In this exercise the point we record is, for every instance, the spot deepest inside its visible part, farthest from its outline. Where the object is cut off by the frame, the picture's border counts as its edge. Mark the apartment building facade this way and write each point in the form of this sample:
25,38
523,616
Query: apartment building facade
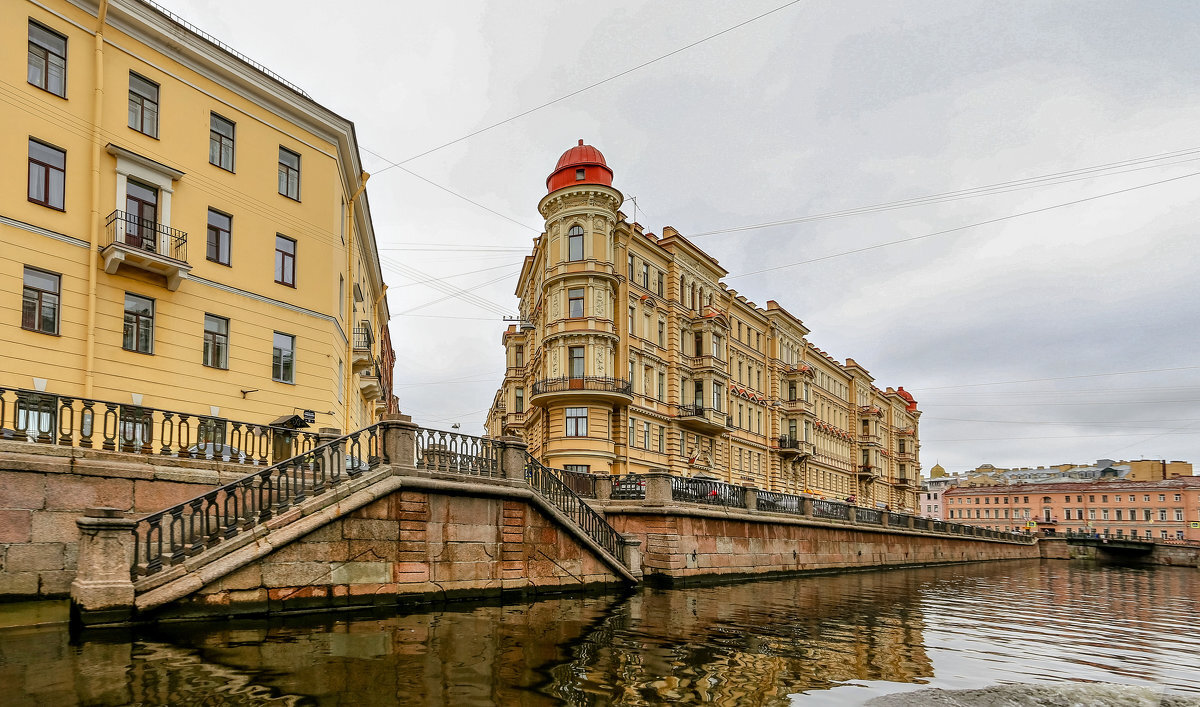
1162,510
191,232
633,355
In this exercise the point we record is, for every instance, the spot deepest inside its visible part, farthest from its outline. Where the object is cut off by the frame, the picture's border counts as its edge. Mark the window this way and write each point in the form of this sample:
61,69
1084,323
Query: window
1178,514
47,174
141,215
645,276
219,226
285,260
143,105
645,435
283,358
631,268
216,342
632,322
39,301
220,142
662,386
662,338
1162,497
575,302
660,284
575,243
577,468
575,361
519,355
139,324
576,422
1162,514
289,173
47,59
1176,497
519,400
579,174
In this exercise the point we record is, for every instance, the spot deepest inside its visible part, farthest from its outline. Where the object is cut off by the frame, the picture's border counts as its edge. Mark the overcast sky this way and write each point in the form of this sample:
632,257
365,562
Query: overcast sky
816,108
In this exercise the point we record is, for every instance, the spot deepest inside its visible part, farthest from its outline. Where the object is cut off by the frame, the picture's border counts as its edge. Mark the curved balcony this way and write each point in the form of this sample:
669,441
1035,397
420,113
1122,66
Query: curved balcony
613,390
701,419
791,446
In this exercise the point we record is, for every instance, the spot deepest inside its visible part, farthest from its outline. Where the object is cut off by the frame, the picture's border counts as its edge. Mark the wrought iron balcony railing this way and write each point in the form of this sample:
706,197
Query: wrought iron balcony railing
590,383
363,338
123,228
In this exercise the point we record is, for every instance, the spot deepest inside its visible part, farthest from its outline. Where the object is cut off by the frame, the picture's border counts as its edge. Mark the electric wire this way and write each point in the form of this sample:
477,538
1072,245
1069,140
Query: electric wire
1063,378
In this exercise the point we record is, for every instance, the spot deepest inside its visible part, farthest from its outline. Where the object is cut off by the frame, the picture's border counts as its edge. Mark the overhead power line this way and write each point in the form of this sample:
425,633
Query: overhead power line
1063,378
1054,179
961,228
589,87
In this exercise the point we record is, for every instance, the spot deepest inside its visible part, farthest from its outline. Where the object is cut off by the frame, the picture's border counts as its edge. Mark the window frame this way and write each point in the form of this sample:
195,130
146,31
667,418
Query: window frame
139,321
277,358
141,107
217,139
575,239
216,342
575,299
46,52
572,426
572,359
283,259
40,301
228,238
47,171
285,174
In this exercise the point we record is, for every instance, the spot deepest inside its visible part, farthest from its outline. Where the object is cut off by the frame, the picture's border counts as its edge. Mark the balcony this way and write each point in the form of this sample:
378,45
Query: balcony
868,440
867,471
906,456
363,342
145,245
585,388
514,419
705,362
798,405
905,481
791,446
369,384
698,418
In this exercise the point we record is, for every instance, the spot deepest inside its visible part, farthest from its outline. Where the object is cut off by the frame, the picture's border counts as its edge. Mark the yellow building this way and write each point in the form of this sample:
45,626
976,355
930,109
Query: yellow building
633,355
191,233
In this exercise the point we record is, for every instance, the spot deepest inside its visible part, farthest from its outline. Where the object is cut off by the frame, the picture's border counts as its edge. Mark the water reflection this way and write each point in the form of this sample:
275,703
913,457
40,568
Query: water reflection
837,639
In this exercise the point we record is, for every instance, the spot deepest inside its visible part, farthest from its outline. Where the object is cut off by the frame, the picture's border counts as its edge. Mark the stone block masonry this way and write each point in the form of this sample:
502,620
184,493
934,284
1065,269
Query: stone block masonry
44,489
411,545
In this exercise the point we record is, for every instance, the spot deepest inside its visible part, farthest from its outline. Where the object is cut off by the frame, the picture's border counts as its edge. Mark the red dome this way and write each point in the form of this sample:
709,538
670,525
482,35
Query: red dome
582,164
912,404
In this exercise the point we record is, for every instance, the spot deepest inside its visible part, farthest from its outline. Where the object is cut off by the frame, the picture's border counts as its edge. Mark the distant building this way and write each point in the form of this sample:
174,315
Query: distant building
1164,510
633,355
929,499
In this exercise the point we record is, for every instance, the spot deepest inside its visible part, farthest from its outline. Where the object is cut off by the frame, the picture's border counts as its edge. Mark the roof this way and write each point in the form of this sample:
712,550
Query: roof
581,164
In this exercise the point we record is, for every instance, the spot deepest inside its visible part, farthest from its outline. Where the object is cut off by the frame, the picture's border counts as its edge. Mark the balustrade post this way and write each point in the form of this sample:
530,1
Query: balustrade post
399,441
804,506
658,487
631,553
513,456
604,484
751,498
103,588
912,523
851,515
885,518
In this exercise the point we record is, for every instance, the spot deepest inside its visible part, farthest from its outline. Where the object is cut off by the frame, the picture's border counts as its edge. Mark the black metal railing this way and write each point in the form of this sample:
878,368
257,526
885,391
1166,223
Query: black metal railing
592,383
830,509
691,410
550,486
145,234
170,536
774,502
868,515
67,421
717,493
788,442
629,487
363,338
582,483
438,450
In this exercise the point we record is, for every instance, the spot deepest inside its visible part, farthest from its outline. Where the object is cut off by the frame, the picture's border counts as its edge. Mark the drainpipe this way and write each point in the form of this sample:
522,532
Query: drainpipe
89,355
348,369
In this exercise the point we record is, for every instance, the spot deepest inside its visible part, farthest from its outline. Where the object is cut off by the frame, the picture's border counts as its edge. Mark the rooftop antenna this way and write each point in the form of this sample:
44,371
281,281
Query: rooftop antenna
635,208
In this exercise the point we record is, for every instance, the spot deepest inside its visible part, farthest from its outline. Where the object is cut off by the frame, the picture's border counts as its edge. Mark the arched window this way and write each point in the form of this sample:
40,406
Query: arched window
575,243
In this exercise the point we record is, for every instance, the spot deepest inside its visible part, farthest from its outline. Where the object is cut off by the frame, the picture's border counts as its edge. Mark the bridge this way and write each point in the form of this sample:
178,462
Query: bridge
396,513
1134,550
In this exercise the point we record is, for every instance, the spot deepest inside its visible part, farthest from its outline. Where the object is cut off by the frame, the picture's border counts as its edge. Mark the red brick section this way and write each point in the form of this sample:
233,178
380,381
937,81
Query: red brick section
512,541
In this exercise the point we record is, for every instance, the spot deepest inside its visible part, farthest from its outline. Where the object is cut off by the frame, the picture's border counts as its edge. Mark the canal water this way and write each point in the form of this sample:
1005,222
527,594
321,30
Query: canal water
1022,632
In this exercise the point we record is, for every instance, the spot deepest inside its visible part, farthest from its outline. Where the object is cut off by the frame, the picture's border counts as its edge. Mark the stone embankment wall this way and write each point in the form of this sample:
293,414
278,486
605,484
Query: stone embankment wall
691,544
411,545
1167,554
45,488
